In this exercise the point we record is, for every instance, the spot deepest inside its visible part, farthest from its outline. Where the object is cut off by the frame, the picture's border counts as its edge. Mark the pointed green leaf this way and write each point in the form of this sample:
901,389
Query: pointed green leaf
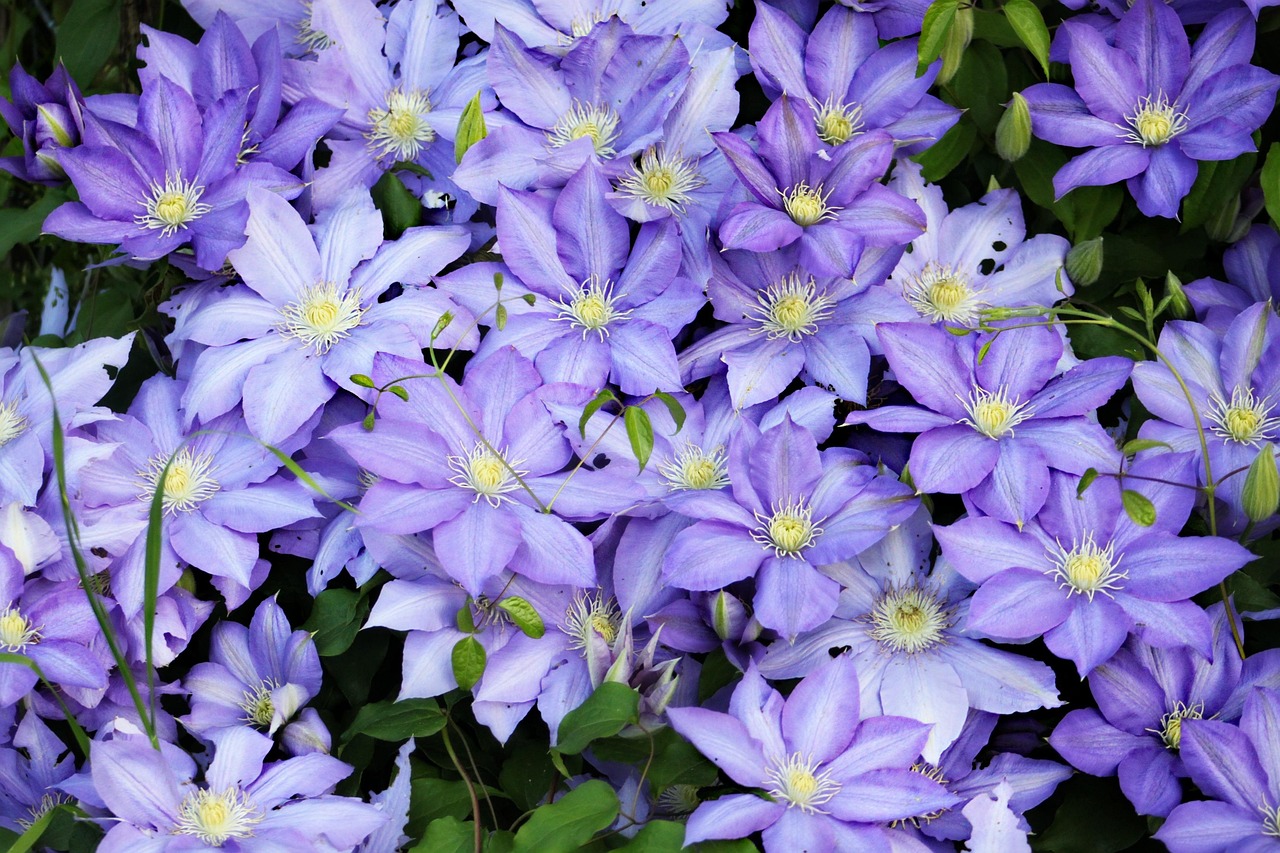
1138,507
468,662
1140,444
639,433
673,407
362,380
569,822
1028,23
597,402
1086,481
471,128
605,713
938,19
397,721
524,616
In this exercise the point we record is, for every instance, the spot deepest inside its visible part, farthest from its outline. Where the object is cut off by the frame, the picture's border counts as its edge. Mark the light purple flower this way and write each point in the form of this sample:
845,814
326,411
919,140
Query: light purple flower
1253,275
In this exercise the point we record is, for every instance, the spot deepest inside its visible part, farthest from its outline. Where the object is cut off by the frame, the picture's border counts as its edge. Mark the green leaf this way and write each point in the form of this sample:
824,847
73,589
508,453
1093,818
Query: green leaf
597,402
674,760
447,835
938,19
1249,595
362,380
464,618
397,721
400,391
526,775
471,128
29,838
400,208
22,225
939,159
87,36
500,316
367,422
524,615
1138,445
468,662
571,821
336,617
1086,481
1095,817
1217,183
605,713
529,299
658,836
673,407
1028,23
1138,507
1271,182
639,433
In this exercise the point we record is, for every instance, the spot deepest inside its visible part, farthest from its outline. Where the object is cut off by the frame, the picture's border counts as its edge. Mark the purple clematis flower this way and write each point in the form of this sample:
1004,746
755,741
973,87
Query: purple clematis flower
174,179
847,79
242,805
456,469
291,19
992,427
46,117
79,377
830,204
1235,767
259,677
1144,696
604,310
309,314
791,510
1085,575
902,625
403,94
833,776
1235,383
591,106
894,18
29,782
1253,275
785,322
975,257
1150,107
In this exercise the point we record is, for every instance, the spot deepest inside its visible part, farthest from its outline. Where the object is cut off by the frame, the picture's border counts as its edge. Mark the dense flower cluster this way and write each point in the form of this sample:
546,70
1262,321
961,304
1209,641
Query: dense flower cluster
748,427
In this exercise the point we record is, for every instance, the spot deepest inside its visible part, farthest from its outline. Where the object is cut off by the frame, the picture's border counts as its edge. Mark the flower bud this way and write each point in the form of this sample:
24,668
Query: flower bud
958,38
55,126
728,616
1084,262
1222,223
1262,486
1013,133
1179,305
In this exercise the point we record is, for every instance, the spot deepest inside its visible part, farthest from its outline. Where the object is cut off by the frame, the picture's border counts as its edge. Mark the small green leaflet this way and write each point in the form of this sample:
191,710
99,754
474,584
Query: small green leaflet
639,433
524,616
468,662
1139,508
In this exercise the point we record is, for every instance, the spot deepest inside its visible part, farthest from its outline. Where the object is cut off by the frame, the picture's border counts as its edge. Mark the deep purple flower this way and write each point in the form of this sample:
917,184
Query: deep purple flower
1235,768
992,427
604,310
1253,275
31,768
258,677
1150,107
847,79
309,314
833,776
1234,382
1144,696
830,204
242,804
1085,575
46,117
591,106
974,257
791,511
903,626
894,18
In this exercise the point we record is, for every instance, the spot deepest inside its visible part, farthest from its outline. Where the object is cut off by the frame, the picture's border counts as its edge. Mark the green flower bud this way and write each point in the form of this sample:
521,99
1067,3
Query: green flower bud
1222,223
1084,262
1013,133
1179,305
958,38
1262,486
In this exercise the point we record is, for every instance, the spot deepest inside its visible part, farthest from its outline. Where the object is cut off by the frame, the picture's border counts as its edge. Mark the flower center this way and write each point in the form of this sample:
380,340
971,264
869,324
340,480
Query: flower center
932,773
591,613
942,295
1087,568
791,309
909,620
599,124
172,206
12,424
678,800
1270,820
992,413
323,316
1170,730
188,484
485,473
662,180
257,705
798,782
400,129
788,529
591,307
16,631
47,803
1154,121
693,469
807,205
1245,419
215,818
838,122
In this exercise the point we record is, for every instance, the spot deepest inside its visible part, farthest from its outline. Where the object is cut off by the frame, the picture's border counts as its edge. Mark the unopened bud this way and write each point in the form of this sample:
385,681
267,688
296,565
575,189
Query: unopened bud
1262,486
54,124
958,38
728,616
1179,305
1084,262
1222,223
1013,133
